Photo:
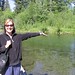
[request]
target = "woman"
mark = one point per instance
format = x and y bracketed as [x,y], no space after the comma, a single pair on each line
[12,41]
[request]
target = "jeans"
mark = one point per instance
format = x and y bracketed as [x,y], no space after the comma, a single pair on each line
[13,70]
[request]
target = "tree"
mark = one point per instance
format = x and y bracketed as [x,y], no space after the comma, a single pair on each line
[2,4]
[21,5]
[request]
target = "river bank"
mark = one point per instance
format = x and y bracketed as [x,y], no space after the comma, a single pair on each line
[47,30]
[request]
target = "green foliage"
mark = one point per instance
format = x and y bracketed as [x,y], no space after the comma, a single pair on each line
[45,30]
[60,5]
[40,15]
[6,14]
[19,6]
[31,15]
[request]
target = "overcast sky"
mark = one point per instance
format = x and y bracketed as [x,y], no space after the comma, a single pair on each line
[12,4]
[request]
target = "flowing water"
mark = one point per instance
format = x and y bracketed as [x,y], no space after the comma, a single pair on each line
[51,55]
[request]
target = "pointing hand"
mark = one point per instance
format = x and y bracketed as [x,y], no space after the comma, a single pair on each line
[41,33]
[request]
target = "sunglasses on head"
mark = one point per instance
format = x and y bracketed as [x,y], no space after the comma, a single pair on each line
[9,25]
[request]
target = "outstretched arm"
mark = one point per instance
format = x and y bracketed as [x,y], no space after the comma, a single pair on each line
[29,35]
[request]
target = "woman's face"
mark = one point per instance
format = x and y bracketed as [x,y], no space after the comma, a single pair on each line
[9,27]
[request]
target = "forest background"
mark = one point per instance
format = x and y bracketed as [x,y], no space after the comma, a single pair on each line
[49,16]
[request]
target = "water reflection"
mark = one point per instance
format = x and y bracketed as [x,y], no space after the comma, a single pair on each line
[54,55]
[38,69]
[72,53]
[72,71]
[72,57]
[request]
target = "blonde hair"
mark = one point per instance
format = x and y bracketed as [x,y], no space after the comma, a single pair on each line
[7,21]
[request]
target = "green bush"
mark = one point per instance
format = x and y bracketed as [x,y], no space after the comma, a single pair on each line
[6,14]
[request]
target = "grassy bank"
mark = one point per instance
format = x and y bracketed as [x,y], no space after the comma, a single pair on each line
[46,29]
[43,28]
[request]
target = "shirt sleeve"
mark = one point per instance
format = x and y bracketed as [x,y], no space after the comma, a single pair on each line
[29,35]
[2,48]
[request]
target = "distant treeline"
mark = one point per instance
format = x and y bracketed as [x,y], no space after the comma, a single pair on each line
[33,15]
